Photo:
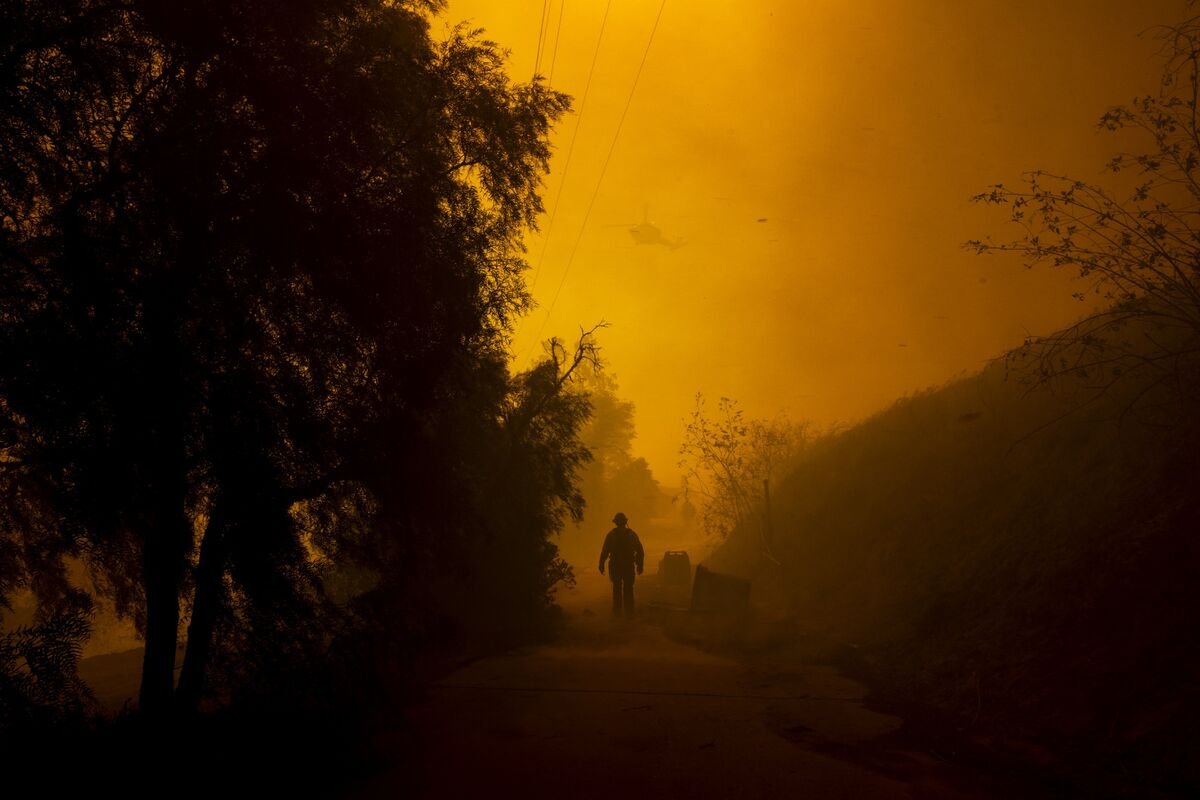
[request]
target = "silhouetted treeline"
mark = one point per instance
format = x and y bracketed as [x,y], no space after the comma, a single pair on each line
[258,265]
[614,480]
[1020,555]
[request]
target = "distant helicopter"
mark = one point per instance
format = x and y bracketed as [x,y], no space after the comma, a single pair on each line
[646,232]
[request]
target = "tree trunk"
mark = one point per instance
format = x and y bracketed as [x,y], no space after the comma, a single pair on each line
[206,606]
[163,564]
[167,533]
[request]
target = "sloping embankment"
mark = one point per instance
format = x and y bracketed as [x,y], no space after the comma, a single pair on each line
[1030,576]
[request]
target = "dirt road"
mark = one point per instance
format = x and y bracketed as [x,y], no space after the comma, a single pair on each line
[619,708]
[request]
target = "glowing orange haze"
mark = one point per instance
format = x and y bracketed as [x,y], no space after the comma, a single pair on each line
[815,158]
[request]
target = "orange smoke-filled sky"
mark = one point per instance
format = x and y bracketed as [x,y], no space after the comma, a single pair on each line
[858,132]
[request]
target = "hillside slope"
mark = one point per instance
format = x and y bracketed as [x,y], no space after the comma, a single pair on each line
[1026,561]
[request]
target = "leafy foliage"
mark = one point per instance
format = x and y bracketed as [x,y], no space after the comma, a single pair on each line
[256,270]
[38,680]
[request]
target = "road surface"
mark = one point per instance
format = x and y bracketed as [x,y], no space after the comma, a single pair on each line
[615,708]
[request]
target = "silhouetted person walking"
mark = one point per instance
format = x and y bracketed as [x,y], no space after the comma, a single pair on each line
[623,551]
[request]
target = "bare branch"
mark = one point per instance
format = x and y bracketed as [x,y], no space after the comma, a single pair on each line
[1135,244]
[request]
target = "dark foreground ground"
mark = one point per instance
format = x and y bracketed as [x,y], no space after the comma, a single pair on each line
[664,706]
[667,705]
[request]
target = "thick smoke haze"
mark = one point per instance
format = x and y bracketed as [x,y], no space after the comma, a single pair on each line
[816,160]
[686,398]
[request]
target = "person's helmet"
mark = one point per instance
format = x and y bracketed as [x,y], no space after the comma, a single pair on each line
[620,518]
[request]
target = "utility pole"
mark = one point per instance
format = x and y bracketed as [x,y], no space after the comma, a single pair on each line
[768,533]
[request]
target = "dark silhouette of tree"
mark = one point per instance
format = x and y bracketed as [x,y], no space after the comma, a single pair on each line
[544,410]
[1134,242]
[493,479]
[614,480]
[38,680]
[256,265]
[726,459]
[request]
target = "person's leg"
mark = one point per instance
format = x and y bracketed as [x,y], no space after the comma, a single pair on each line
[628,598]
[616,582]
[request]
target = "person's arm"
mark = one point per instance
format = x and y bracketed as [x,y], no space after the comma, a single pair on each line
[604,551]
[639,554]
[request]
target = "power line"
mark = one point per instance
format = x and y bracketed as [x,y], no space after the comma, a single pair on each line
[603,171]
[562,9]
[537,57]
[587,87]
[545,34]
